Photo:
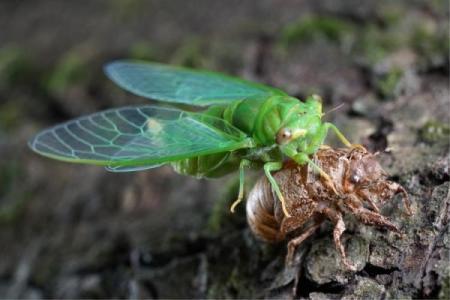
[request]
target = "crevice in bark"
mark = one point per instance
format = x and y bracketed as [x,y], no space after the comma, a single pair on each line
[378,140]
[372,271]
[307,287]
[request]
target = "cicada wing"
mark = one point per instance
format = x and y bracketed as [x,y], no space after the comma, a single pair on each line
[123,169]
[181,85]
[138,137]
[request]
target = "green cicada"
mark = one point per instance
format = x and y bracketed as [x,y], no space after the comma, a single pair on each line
[245,125]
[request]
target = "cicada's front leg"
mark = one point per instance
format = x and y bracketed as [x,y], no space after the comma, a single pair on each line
[294,243]
[339,228]
[268,168]
[342,138]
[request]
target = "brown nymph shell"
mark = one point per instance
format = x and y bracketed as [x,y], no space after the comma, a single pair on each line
[360,186]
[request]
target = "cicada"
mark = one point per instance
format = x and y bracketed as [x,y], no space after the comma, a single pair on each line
[244,124]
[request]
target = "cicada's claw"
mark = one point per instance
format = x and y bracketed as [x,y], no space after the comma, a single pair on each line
[329,182]
[358,146]
[324,147]
[235,203]
[244,163]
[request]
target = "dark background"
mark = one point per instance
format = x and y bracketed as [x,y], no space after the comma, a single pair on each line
[71,231]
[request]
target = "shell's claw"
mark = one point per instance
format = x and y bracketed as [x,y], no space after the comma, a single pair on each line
[373,205]
[362,195]
[349,265]
[405,199]
[294,243]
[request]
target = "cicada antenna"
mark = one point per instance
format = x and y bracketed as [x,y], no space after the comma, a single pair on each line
[334,108]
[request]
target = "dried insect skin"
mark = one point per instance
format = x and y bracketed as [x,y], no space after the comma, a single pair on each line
[361,186]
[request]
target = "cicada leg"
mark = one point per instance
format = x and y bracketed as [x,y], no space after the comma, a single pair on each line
[244,163]
[339,228]
[294,243]
[324,147]
[342,138]
[405,199]
[368,217]
[276,166]
[362,195]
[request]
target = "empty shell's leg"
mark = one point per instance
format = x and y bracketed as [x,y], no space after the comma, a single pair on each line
[339,228]
[372,204]
[405,199]
[275,166]
[244,163]
[294,243]
[369,217]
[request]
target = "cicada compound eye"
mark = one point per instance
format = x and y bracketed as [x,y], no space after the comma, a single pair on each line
[284,135]
[355,178]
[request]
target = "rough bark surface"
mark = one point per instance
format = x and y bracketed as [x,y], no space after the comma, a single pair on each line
[69,231]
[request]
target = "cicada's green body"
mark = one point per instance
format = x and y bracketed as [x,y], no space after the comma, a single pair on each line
[262,121]
[246,124]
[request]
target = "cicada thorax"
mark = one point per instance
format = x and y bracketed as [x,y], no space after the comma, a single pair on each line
[267,123]
[263,119]
[259,119]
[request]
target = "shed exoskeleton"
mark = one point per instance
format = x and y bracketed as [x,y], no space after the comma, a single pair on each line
[362,187]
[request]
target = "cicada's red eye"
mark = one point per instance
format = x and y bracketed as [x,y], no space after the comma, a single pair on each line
[284,135]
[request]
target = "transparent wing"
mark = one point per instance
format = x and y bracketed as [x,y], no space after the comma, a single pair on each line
[132,138]
[123,169]
[180,85]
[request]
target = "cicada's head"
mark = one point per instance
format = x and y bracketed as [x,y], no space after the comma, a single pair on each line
[364,169]
[302,130]
[295,126]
